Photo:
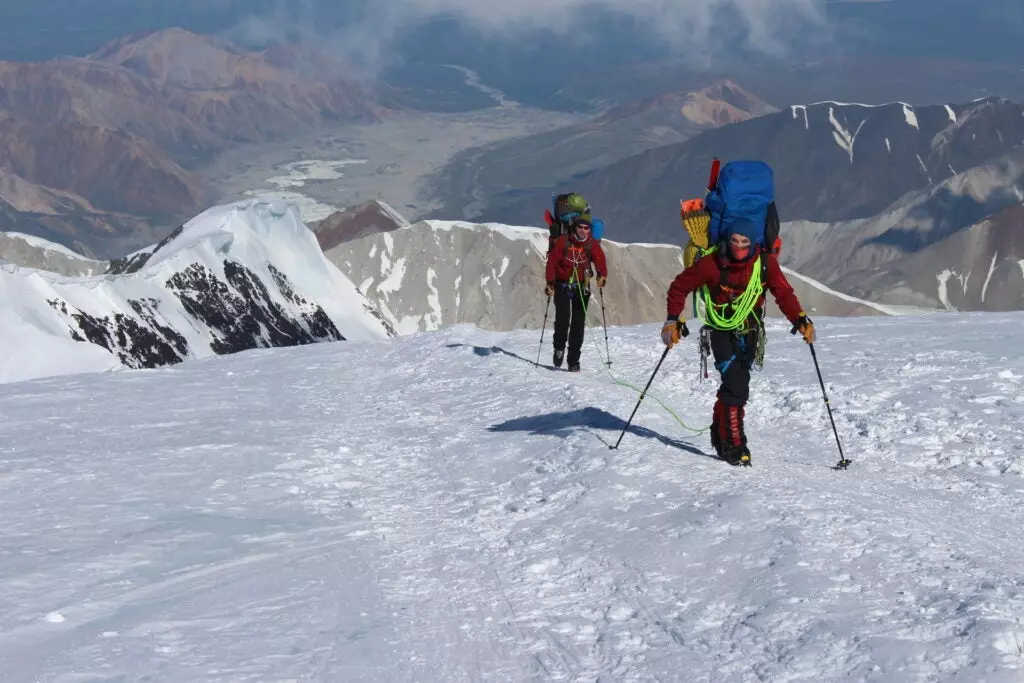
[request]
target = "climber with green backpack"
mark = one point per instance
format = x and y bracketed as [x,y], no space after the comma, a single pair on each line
[566,208]
[733,252]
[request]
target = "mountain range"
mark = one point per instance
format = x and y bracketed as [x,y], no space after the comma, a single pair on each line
[432,274]
[873,198]
[832,161]
[95,151]
[530,166]
[101,153]
[250,275]
[98,154]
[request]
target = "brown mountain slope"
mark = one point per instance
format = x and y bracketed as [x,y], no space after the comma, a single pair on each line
[111,137]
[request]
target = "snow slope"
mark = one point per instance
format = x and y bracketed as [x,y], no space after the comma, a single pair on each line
[35,252]
[238,276]
[433,508]
[47,245]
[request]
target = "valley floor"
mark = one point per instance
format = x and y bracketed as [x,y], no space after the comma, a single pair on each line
[434,508]
[393,161]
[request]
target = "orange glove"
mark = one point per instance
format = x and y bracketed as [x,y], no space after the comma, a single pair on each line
[550,289]
[601,279]
[805,327]
[672,331]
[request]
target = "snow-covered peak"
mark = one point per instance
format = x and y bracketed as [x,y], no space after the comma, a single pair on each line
[238,276]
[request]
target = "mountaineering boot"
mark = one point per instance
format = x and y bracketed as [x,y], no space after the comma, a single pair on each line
[736,455]
[728,435]
[556,360]
[574,367]
[717,419]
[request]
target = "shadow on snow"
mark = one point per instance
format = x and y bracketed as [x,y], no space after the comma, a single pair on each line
[484,351]
[563,424]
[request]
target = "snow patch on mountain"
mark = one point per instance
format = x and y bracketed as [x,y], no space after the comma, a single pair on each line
[842,135]
[910,116]
[803,110]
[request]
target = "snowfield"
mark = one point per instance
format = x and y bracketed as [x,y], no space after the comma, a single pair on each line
[434,508]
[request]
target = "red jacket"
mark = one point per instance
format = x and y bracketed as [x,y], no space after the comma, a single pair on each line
[723,275]
[567,256]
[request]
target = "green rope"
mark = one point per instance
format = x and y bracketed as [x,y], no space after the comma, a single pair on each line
[717,316]
[622,383]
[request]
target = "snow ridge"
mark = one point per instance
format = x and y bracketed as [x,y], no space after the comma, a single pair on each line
[238,276]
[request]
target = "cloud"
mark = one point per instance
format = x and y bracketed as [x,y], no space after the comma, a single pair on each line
[366,31]
[686,25]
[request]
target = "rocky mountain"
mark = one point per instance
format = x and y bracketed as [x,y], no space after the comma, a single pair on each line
[368,218]
[109,138]
[977,269]
[30,251]
[241,276]
[434,274]
[546,161]
[832,162]
[238,94]
[897,256]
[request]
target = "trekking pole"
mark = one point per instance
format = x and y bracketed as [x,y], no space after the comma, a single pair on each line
[843,461]
[542,328]
[685,332]
[604,322]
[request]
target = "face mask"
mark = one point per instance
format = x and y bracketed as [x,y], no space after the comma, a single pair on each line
[738,253]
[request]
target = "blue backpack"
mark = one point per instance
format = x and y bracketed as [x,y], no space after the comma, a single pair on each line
[741,200]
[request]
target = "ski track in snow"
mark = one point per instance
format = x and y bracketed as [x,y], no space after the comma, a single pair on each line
[435,508]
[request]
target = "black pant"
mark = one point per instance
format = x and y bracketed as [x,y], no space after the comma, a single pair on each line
[570,318]
[734,357]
